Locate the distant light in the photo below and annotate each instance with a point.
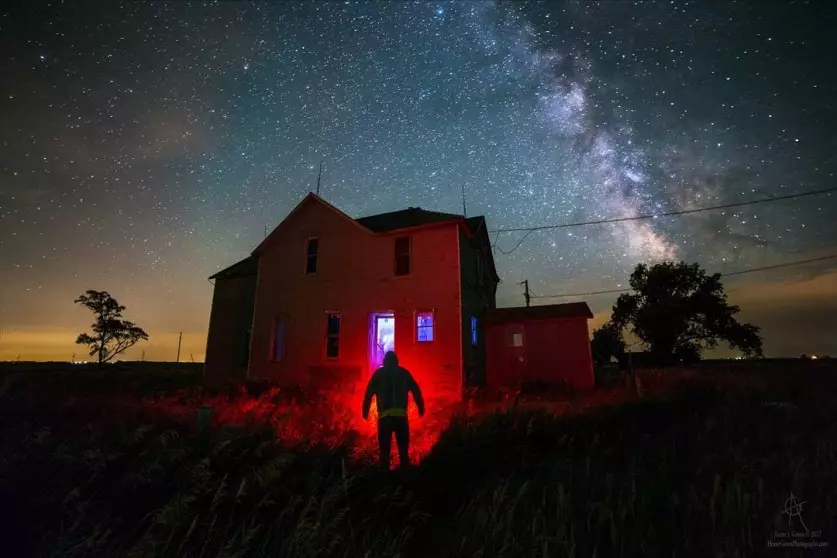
(814, 357)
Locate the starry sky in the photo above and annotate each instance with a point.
(144, 146)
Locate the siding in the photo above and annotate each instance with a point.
(554, 351)
(478, 295)
(230, 319)
(355, 277)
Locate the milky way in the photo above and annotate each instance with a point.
(145, 146)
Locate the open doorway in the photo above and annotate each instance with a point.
(381, 337)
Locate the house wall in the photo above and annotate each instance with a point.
(355, 277)
(230, 319)
(478, 295)
(554, 351)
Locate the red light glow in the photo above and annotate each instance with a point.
(330, 417)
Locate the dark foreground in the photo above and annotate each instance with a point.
(705, 470)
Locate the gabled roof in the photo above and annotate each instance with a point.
(404, 219)
(247, 266)
(310, 198)
(545, 312)
(381, 223)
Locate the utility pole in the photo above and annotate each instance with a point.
(319, 176)
(179, 339)
(464, 210)
(525, 284)
(265, 231)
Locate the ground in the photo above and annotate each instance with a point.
(693, 462)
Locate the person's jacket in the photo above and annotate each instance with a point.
(391, 384)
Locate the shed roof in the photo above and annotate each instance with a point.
(544, 312)
(405, 218)
(247, 266)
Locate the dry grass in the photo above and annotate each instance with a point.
(699, 466)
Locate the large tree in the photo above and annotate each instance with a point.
(676, 310)
(111, 334)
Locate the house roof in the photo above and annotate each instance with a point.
(417, 217)
(308, 199)
(404, 219)
(247, 266)
(380, 223)
(545, 312)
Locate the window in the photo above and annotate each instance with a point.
(277, 341)
(474, 336)
(332, 335)
(517, 339)
(311, 253)
(402, 255)
(424, 327)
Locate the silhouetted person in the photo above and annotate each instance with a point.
(390, 384)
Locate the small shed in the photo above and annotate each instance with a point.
(548, 344)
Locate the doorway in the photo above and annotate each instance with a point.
(381, 337)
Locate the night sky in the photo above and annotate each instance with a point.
(146, 146)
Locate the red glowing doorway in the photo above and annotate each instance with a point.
(381, 337)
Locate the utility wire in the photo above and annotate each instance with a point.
(742, 272)
(671, 213)
(530, 230)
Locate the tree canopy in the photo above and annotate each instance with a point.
(111, 334)
(677, 311)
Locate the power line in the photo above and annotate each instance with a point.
(777, 266)
(742, 272)
(530, 230)
(670, 213)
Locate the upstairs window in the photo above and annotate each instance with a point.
(332, 349)
(425, 325)
(402, 255)
(312, 252)
(474, 336)
(277, 343)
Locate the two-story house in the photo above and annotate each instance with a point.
(324, 296)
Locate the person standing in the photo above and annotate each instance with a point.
(390, 385)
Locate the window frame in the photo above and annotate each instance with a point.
(308, 255)
(511, 338)
(416, 315)
(397, 255)
(283, 318)
(327, 335)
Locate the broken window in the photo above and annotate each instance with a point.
(311, 254)
(277, 344)
(402, 255)
(424, 327)
(332, 335)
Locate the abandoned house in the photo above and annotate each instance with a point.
(324, 296)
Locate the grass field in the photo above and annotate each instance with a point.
(111, 464)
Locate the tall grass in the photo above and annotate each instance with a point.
(703, 471)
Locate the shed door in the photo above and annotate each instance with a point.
(516, 361)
